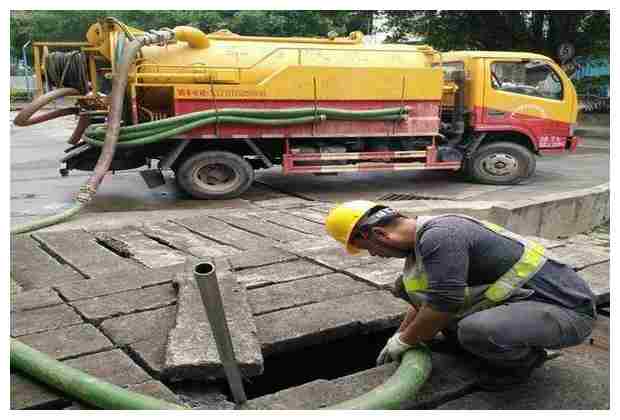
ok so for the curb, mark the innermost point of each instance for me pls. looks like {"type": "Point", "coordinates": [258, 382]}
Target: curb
{"type": "Point", "coordinates": [553, 216]}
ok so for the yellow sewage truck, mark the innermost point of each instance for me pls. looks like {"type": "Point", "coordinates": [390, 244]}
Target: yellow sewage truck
{"type": "Point", "coordinates": [216, 107]}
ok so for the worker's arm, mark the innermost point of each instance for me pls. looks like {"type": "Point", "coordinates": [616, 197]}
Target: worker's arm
{"type": "Point", "coordinates": [426, 324]}
{"type": "Point", "coordinates": [411, 314]}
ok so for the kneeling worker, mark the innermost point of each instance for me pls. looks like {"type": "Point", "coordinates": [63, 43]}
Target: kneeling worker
{"type": "Point", "coordinates": [497, 294]}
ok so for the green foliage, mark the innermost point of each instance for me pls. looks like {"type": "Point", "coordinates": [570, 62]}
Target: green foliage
{"type": "Point", "coordinates": [526, 30]}
{"type": "Point", "coordinates": [590, 84]}
{"type": "Point", "coordinates": [71, 25]}
{"type": "Point", "coordinates": [19, 95]}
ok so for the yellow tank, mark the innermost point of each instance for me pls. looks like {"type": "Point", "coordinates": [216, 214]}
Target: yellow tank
{"type": "Point", "coordinates": [332, 68]}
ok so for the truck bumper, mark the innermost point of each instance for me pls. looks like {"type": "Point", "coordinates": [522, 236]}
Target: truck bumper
{"type": "Point", "coordinates": [570, 147]}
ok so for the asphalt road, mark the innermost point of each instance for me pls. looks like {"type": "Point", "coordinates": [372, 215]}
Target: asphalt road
{"type": "Point", "coordinates": [38, 190]}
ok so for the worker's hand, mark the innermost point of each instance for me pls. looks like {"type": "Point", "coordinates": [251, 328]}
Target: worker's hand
{"type": "Point", "coordinates": [393, 350]}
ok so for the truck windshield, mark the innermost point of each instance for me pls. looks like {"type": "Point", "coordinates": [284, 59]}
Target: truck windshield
{"type": "Point", "coordinates": [533, 78]}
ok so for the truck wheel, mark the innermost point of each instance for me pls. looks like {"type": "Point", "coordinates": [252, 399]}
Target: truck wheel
{"type": "Point", "coordinates": [501, 163]}
{"type": "Point", "coordinates": [214, 175]}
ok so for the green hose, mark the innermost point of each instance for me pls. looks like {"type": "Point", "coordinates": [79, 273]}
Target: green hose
{"type": "Point", "coordinates": [156, 131]}
{"type": "Point", "coordinates": [80, 385]}
{"type": "Point", "coordinates": [399, 389]}
{"type": "Point", "coordinates": [48, 221]}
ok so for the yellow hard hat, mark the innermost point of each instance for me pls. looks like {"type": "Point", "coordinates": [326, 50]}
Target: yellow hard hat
{"type": "Point", "coordinates": [341, 221]}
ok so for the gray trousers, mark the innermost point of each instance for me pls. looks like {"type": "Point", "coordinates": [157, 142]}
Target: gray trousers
{"type": "Point", "coordinates": [507, 333]}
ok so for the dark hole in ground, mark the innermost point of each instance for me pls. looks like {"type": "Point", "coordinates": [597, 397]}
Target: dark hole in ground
{"type": "Point", "coordinates": [327, 361]}
{"type": "Point", "coordinates": [286, 370]}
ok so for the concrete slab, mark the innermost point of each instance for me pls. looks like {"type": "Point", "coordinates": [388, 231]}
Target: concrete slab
{"type": "Point", "coordinates": [69, 342]}
{"type": "Point", "coordinates": [112, 366]}
{"type": "Point", "coordinates": [34, 299]}
{"type": "Point", "coordinates": [119, 282]}
{"type": "Point", "coordinates": [279, 273]}
{"type": "Point", "coordinates": [80, 250]}
{"type": "Point", "coordinates": [290, 221]}
{"type": "Point", "coordinates": [304, 397]}
{"type": "Point", "coordinates": [311, 214]}
{"type": "Point", "coordinates": [132, 243]}
{"type": "Point", "coordinates": [201, 396]}
{"type": "Point", "coordinates": [286, 202]}
{"type": "Point", "coordinates": [253, 224]}
{"type": "Point", "coordinates": [559, 385]}
{"type": "Point", "coordinates": [547, 243]}
{"type": "Point", "coordinates": [101, 308]}
{"type": "Point", "coordinates": [303, 292]}
{"type": "Point", "coordinates": [264, 255]}
{"type": "Point", "coordinates": [141, 326]}
{"type": "Point", "coordinates": [221, 232]}
{"type": "Point", "coordinates": [32, 267]}
{"type": "Point", "coordinates": [191, 352]}
{"type": "Point", "coordinates": [151, 354]}
{"type": "Point", "coordinates": [580, 257]}
{"type": "Point", "coordinates": [381, 274]}
{"type": "Point", "coordinates": [335, 257]}
{"type": "Point", "coordinates": [43, 319]}
{"type": "Point", "coordinates": [329, 320]}
{"type": "Point", "coordinates": [178, 237]}
{"type": "Point", "coordinates": [597, 277]}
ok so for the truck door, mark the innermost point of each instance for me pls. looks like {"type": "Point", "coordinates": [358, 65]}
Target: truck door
{"type": "Point", "coordinates": [528, 96]}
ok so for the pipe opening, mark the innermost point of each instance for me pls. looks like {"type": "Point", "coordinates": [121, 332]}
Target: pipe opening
{"type": "Point", "coordinates": [204, 268]}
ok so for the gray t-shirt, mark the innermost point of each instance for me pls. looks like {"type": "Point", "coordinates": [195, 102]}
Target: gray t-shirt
{"type": "Point", "coordinates": [457, 252]}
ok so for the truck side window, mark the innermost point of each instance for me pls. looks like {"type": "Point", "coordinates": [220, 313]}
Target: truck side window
{"type": "Point", "coordinates": [533, 78]}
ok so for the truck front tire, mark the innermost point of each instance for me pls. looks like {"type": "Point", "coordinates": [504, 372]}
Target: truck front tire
{"type": "Point", "coordinates": [214, 175]}
{"type": "Point", "coordinates": [501, 163]}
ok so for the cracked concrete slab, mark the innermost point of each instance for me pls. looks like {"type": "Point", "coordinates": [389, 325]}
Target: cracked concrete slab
{"type": "Point", "coordinates": [322, 322]}
{"type": "Point", "coordinates": [180, 238]}
{"type": "Point", "coordinates": [73, 341]}
{"type": "Point", "coordinates": [191, 351]}
{"type": "Point", "coordinates": [264, 255]}
{"type": "Point", "coordinates": [141, 326]}
{"type": "Point", "coordinates": [597, 277]}
{"type": "Point", "coordinates": [253, 224]}
{"type": "Point", "coordinates": [379, 274]}
{"type": "Point", "coordinates": [294, 222]}
{"type": "Point", "coordinates": [131, 243]}
{"type": "Point", "coordinates": [100, 308]}
{"type": "Point", "coordinates": [34, 299]}
{"type": "Point", "coordinates": [580, 257]}
{"type": "Point", "coordinates": [303, 292]}
{"type": "Point", "coordinates": [32, 267]}
{"type": "Point", "coordinates": [151, 353]}
{"type": "Point", "coordinates": [279, 273]}
{"type": "Point", "coordinates": [81, 251]}
{"type": "Point", "coordinates": [43, 319]}
{"type": "Point", "coordinates": [118, 282]}
{"type": "Point", "coordinates": [221, 232]}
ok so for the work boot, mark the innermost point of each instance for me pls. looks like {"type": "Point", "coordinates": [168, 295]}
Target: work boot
{"type": "Point", "coordinates": [495, 378]}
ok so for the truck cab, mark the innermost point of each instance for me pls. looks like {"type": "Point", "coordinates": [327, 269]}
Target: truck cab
{"type": "Point", "coordinates": [510, 97]}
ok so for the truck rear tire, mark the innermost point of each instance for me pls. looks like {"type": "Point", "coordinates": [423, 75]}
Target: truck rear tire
{"type": "Point", "coordinates": [214, 175]}
{"type": "Point", "coordinates": [501, 163]}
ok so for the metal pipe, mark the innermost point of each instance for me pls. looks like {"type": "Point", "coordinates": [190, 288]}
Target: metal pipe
{"type": "Point", "coordinates": [206, 279]}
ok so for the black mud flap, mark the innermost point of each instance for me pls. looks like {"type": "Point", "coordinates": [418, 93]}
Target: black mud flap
{"type": "Point", "coordinates": [153, 177]}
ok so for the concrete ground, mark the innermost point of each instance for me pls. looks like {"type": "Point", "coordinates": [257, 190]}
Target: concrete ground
{"type": "Point", "coordinates": [103, 299]}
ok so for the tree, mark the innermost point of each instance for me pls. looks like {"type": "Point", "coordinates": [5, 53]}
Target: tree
{"type": "Point", "coordinates": [526, 30]}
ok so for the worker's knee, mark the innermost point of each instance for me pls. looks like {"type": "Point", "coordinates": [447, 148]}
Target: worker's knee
{"type": "Point", "coordinates": [474, 332]}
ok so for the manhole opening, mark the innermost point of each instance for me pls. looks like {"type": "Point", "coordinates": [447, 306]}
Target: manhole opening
{"type": "Point", "coordinates": [327, 361]}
